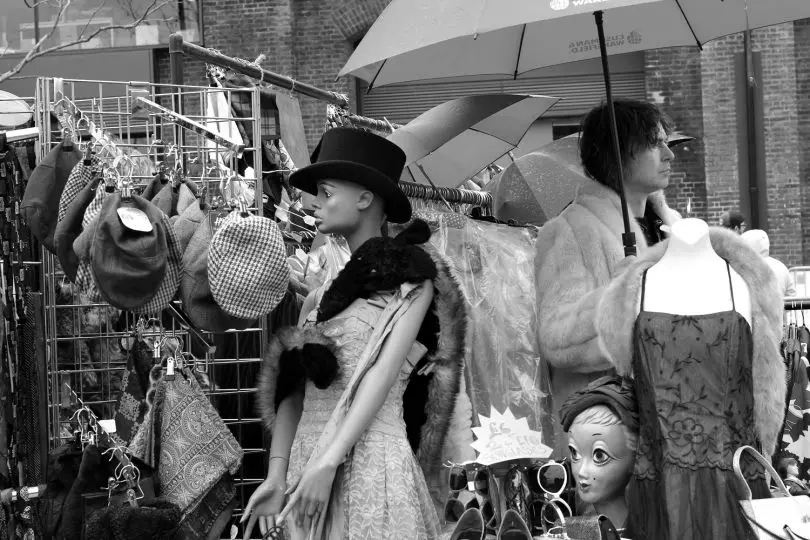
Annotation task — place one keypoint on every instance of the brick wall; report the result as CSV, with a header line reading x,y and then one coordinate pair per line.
x,y
781,141
720,126
320,51
673,80
802,45
248,28
354,17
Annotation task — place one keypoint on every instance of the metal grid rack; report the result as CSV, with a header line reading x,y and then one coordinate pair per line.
x,y
84,340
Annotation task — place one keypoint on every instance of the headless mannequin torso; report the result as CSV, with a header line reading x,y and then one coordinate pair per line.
x,y
691,279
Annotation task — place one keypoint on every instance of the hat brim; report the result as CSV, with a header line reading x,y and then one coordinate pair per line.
x,y
397,205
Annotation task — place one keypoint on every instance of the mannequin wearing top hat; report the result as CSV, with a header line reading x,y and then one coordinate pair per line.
x,y
695,322
357,427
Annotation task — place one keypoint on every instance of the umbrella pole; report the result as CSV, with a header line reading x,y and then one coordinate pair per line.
x,y
628,238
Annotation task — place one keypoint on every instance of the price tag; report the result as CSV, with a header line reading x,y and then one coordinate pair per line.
x,y
135,219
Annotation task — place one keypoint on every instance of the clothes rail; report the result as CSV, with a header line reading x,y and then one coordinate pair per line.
x,y
178,47
452,195
794,304
338,115
185,122
19,135
62,101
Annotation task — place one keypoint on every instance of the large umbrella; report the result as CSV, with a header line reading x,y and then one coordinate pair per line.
x,y
455,140
539,185
438,39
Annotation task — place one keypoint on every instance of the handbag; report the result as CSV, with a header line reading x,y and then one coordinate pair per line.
x,y
590,528
786,517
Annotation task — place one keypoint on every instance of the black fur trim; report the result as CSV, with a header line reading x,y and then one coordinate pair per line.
x,y
380,264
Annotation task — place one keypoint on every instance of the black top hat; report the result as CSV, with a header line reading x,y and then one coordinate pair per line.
x,y
363,158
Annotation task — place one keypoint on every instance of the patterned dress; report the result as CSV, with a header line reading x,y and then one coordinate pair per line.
x,y
385,494
696,407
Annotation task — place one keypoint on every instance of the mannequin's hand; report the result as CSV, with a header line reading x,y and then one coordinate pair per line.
x,y
311,495
265,504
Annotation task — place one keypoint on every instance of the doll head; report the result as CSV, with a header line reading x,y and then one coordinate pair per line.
x,y
601,423
340,206
602,451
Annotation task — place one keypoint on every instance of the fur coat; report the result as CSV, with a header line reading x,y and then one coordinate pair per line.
x,y
618,308
430,400
578,252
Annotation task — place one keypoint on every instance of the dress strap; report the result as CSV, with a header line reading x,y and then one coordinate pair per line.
x,y
643,288
730,286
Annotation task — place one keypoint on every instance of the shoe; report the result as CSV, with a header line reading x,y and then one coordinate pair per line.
x,y
470,526
490,516
453,510
513,527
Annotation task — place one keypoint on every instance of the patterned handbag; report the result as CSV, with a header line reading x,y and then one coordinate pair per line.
x,y
590,528
786,517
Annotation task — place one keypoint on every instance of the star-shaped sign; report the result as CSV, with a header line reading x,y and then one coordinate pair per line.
x,y
502,437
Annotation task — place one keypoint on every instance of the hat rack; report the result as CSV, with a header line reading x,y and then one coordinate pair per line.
x,y
21,135
178,48
88,344
187,123
128,470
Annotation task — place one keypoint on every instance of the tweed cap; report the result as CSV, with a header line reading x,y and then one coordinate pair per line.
x,y
195,290
40,204
69,227
135,271
81,174
247,266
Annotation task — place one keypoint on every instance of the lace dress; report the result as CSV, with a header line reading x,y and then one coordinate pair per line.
x,y
696,407
386,495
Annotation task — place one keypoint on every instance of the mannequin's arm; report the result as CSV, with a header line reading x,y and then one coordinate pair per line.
x,y
288,414
567,297
377,382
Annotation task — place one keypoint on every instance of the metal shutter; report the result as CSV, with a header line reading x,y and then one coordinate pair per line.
x,y
403,102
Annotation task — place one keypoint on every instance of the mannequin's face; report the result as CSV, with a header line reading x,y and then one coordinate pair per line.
x,y
601,461
338,205
649,169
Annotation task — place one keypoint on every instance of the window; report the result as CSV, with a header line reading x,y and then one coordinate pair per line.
x,y
21,25
564,127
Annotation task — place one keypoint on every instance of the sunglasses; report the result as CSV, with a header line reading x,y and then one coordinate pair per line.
x,y
459,479
551,480
548,514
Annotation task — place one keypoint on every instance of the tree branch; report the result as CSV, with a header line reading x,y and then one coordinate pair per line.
x,y
37,51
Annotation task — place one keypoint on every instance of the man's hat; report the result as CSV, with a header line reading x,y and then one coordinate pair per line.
x,y
69,227
247,266
134,270
40,204
363,158
195,289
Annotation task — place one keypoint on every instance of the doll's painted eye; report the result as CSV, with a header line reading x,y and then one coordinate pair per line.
x,y
600,457
574,453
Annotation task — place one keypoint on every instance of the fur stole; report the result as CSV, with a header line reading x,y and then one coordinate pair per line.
x,y
383,264
617,313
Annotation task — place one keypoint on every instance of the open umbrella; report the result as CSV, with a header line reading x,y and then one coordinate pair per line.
x,y
455,140
539,185
438,39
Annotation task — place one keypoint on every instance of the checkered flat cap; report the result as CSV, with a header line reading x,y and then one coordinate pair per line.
x,y
247,266
79,176
94,209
